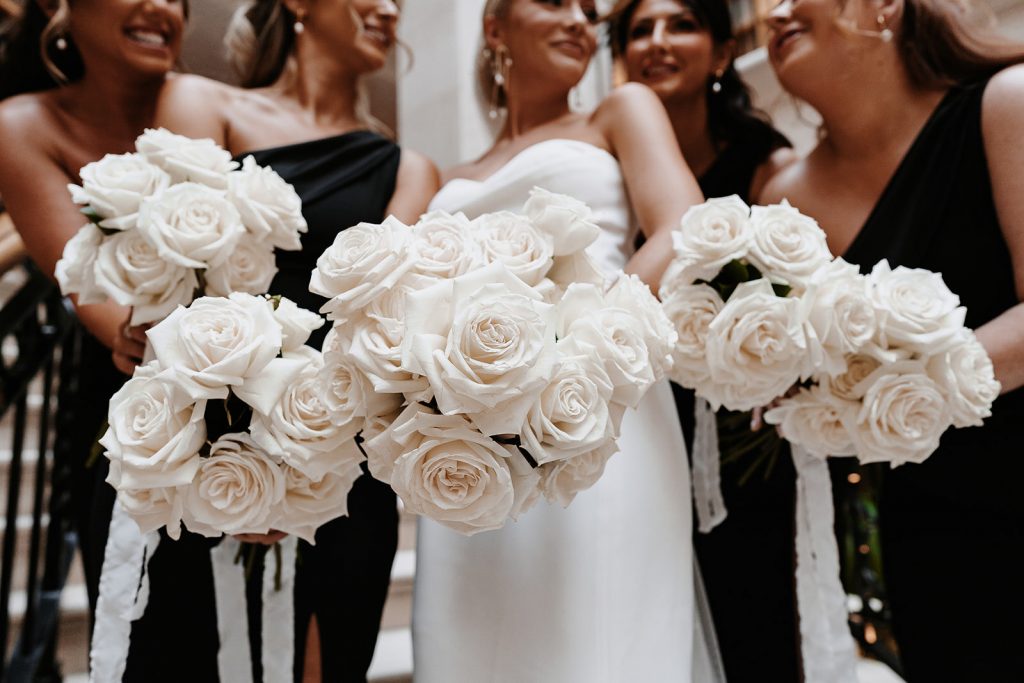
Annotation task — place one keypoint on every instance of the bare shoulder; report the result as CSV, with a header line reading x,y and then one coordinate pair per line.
x,y
24,116
776,162
626,100
1003,102
418,165
192,92
786,180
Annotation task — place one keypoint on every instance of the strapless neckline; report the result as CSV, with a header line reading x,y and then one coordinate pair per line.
x,y
589,146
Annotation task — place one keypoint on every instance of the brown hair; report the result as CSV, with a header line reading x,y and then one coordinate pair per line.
x,y
485,60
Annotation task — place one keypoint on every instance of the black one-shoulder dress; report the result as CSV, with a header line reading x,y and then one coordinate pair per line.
x,y
343,580
953,527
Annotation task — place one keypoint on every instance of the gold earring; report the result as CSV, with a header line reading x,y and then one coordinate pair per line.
x,y
501,65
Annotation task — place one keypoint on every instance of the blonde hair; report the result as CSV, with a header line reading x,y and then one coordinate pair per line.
x,y
485,61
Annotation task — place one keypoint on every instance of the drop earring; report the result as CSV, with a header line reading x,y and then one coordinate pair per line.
x,y
716,85
299,27
501,64
61,43
885,33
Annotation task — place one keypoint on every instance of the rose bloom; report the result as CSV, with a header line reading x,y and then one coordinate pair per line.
x,y
512,240
115,186
185,159
968,380
916,309
568,221
445,245
250,268
632,294
346,391
816,420
562,480
841,312
296,323
786,245
75,271
307,505
191,225
852,384
691,308
710,235
270,207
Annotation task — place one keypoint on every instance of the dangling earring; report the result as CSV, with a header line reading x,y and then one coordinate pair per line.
x,y
501,64
885,33
716,86
61,43
298,27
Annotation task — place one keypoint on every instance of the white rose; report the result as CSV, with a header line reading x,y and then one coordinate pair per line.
x,y
916,310
115,186
571,416
345,390
691,308
514,241
446,470
237,490
270,207
249,268
75,271
186,159
903,415
486,343
151,508
816,420
364,262
852,384
632,294
374,344
296,323
786,244
568,221
757,348
191,225
131,272
216,343
308,504
380,460
562,480
840,312
155,431
579,267
967,378
445,245
711,235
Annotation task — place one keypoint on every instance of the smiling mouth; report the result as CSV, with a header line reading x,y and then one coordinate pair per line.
x,y
148,37
654,72
378,36
570,48
786,38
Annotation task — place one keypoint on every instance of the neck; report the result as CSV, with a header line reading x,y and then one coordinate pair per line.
x,y
323,88
530,108
690,122
116,104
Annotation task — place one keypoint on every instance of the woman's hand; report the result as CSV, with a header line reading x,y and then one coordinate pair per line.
x,y
129,347
262,539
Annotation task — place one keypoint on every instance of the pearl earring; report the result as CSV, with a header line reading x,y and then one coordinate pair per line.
x,y
716,87
886,33
298,27
61,43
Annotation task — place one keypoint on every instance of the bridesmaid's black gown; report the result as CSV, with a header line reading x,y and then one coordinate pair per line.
x,y
747,562
953,527
342,180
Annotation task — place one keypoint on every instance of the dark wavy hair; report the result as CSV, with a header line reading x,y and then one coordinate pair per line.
x,y
732,117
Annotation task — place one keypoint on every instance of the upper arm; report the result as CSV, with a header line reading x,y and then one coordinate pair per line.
x,y
1002,109
416,184
192,106
660,184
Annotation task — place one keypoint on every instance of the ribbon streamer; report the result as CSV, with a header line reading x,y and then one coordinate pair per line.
x,y
124,593
829,653
279,612
234,658
707,482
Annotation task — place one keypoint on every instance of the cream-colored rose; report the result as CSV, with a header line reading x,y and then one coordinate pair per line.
x,y
296,324
511,239
632,294
187,159
191,225
486,343
916,309
786,245
851,385
757,348
308,504
691,308
968,380
346,391
445,245
115,186
903,415
571,416
270,207
562,480
568,221
131,272
237,490
364,262
150,508
75,271
817,421
711,235
155,431
446,470
840,312
250,268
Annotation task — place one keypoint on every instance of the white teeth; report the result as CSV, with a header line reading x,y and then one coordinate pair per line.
x,y
148,37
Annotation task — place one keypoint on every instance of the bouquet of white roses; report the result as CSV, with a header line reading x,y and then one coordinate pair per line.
x,y
899,367
225,431
175,220
485,362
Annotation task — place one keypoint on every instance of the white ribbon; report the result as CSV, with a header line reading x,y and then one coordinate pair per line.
x,y
124,593
279,613
234,659
829,653
707,482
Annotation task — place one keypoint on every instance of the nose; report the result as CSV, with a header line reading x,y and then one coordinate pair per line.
x,y
658,34
577,18
388,8
780,15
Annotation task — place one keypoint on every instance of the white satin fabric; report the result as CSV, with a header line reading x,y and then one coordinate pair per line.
x,y
600,592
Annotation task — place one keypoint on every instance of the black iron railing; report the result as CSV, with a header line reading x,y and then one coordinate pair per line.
x,y
34,325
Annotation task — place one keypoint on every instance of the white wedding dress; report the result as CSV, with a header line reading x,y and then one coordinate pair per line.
x,y
601,591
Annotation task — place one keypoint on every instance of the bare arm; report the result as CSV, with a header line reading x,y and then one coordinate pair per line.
x,y
1002,108
192,106
660,184
417,183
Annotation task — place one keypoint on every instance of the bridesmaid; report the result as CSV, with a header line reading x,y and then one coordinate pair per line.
x,y
77,84
683,50
302,113
921,163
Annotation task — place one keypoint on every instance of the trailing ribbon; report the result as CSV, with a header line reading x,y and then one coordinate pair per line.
x,y
829,653
234,658
279,612
124,593
707,481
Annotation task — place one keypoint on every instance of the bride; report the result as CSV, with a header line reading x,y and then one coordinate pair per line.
x,y
601,591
